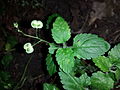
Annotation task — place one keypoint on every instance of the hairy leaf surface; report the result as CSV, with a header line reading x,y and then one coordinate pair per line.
x,y
84,80
117,74
88,46
61,31
114,55
65,58
101,81
103,63
115,52
73,83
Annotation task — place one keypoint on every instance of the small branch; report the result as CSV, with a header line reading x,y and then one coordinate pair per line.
x,y
34,37
36,43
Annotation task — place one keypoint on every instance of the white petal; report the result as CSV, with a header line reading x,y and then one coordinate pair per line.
x,y
27,45
29,50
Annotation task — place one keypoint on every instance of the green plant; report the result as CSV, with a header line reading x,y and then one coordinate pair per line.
x,y
72,60
6,82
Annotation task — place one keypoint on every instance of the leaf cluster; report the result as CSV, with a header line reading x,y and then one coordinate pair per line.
x,y
73,59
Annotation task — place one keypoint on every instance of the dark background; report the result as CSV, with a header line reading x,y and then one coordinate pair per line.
x,y
101,17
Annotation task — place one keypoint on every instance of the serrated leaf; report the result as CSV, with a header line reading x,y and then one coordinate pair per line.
x,y
103,63
73,83
115,61
112,75
115,52
52,48
65,59
61,31
49,87
101,81
51,67
114,55
117,74
84,80
89,46
50,19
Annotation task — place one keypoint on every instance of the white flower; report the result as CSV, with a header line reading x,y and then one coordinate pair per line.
x,y
27,45
28,48
15,25
36,24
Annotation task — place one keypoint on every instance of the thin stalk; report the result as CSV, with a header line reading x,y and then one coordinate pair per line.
x,y
22,83
36,32
34,37
23,75
36,43
64,45
29,35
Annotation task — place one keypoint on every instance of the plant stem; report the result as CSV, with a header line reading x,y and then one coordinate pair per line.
x,y
36,32
34,37
64,45
23,79
36,43
29,35
22,83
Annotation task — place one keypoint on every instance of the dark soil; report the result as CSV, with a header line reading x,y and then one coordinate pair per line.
x,y
101,17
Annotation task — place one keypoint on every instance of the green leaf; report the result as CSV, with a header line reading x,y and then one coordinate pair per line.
x,y
117,74
49,87
84,80
52,48
51,67
6,59
118,65
103,63
115,52
73,83
50,19
61,31
112,75
65,58
101,81
114,55
115,61
89,46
